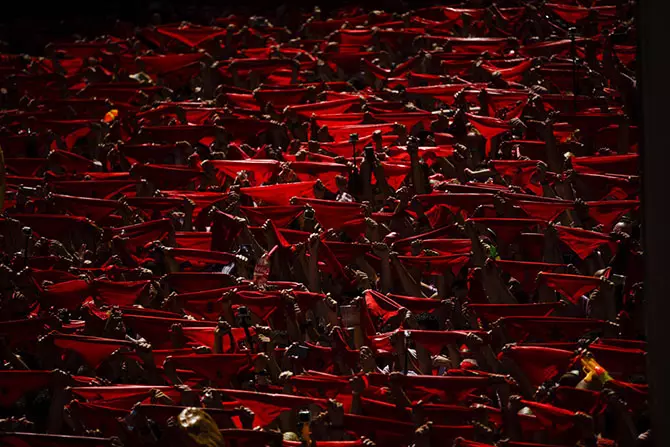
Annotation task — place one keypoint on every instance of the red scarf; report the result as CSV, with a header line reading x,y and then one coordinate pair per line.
x,y
492,312
280,193
582,242
540,364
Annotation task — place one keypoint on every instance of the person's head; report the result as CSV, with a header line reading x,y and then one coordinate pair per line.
x,y
199,429
624,226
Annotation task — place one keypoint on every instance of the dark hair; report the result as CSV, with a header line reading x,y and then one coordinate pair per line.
x,y
428,322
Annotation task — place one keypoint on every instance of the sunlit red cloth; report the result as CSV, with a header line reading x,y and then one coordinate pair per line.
x,y
121,396
94,350
332,214
280,194
259,171
540,364
326,172
570,286
67,295
488,127
582,242
141,234
519,173
334,106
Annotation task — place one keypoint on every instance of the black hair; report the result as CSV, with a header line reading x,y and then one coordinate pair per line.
x,y
428,322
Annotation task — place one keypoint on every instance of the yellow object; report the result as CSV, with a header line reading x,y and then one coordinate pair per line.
x,y
200,427
592,369
111,115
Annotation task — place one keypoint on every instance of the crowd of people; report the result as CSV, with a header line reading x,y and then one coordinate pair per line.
x,y
354,228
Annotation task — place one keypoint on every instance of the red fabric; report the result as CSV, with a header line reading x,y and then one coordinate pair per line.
x,y
464,443
225,229
196,240
259,171
99,417
455,202
582,242
120,293
436,265
608,211
68,295
550,328
507,229
435,341
268,406
15,439
526,272
339,119
450,388
570,286
326,172
548,211
191,35
330,107
575,399
166,176
405,244
141,234
387,432
94,209
219,368
94,350
193,281
557,420
380,308
281,98
569,13
620,362
356,443
492,312
280,194
122,396
540,364
445,246
488,127
53,226
609,164
444,93
15,384
332,214
519,173
345,149
280,215
363,130
103,189
606,187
